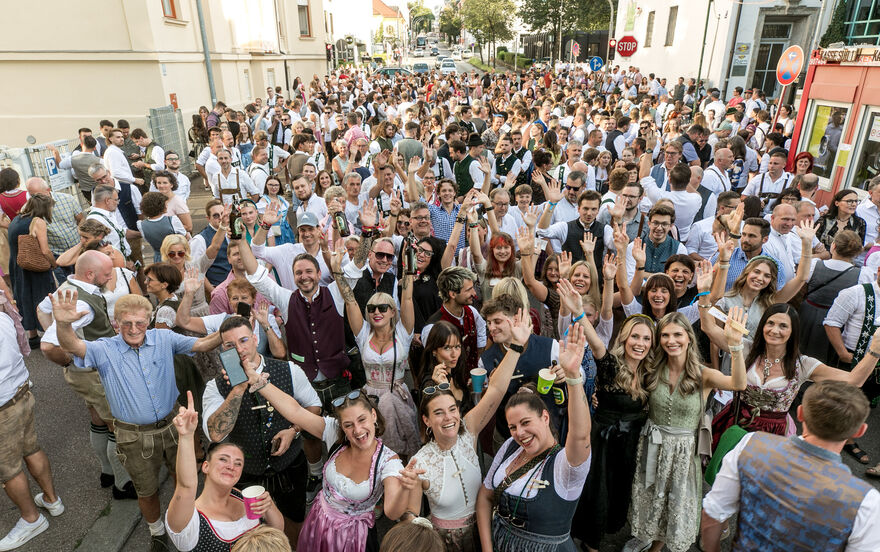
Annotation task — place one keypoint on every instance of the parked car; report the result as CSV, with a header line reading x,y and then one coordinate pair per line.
x,y
420,67
439,61
393,71
447,67
420,52
456,55
435,51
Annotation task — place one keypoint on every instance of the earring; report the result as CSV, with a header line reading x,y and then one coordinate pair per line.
x,y
429,431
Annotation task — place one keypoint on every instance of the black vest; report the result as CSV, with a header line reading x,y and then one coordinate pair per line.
x,y
502,168
576,233
609,143
126,206
705,194
251,432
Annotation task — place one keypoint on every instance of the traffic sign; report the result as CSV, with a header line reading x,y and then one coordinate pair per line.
x,y
51,167
627,46
790,64
596,63
575,49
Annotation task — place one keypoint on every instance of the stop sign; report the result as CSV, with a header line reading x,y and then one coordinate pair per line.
x,y
627,46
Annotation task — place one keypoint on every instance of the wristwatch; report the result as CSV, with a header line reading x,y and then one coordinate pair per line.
x,y
516,348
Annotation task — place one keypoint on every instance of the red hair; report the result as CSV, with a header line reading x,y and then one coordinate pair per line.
x,y
803,155
496,270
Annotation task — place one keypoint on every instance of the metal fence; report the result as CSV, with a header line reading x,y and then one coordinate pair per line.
x,y
167,130
42,164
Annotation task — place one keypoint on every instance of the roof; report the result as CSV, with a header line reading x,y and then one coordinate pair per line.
x,y
383,9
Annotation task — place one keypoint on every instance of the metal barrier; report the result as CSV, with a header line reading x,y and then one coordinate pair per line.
x,y
167,130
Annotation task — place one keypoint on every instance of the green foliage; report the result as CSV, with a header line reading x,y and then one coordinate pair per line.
x,y
475,61
576,15
836,31
488,21
506,57
450,22
501,49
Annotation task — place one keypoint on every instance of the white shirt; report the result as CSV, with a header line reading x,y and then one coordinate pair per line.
x,y
237,179
755,188
113,221
280,297
686,204
313,204
700,239
116,162
477,174
724,500
281,258
565,211
781,247
13,372
183,186
716,180
259,174
847,312
303,392
868,211
157,163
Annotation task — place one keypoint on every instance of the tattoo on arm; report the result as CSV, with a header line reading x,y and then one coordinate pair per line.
x,y
360,256
344,288
221,422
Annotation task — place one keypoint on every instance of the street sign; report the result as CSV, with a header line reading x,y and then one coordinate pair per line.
x,y
575,49
627,46
51,167
789,66
596,63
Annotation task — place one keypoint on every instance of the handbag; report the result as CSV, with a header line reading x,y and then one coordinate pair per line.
x,y
29,256
730,436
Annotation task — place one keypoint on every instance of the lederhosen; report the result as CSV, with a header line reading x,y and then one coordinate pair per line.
x,y
871,386
767,196
234,192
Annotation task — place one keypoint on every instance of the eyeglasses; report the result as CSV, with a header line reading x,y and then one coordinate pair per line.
x,y
383,308
339,401
501,203
180,254
849,201
172,159
423,251
141,325
383,256
435,389
657,224
422,217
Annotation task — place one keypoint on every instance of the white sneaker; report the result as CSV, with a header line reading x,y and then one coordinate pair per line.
x,y
23,532
55,509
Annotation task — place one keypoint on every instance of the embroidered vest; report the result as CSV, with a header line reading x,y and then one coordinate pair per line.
x,y
812,496
315,332
657,254
463,179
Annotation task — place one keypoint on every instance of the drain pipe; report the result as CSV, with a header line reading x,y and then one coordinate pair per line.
x,y
207,52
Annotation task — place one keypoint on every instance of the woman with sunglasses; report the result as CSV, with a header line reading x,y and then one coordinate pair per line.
x,y
384,340
530,494
176,252
360,472
274,193
450,459
841,215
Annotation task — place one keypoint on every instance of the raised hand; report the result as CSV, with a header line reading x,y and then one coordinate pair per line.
x,y
192,282
564,263
485,166
414,164
187,419
525,240
261,313
705,276
64,306
539,179
271,215
807,231
553,191
571,351
609,269
440,374
618,209
369,214
396,204
569,296
734,219
639,252
336,257
588,244
725,244
735,326
531,216
521,327
409,476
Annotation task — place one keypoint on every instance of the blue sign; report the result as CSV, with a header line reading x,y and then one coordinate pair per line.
x,y
596,63
51,167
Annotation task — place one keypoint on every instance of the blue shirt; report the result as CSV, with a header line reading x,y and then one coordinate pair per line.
x,y
442,221
139,383
738,262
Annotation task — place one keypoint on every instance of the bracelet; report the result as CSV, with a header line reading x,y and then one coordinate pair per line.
x,y
735,236
702,293
264,381
461,220
872,353
573,320
737,348
489,208
575,381
394,215
702,306
723,265
265,225
640,267
473,224
340,273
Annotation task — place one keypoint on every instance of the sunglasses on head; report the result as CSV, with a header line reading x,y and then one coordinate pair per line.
x,y
383,256
338,401
435,388
383,308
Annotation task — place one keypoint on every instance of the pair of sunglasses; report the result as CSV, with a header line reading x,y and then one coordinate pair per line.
x,y
383,308
385,256
339,401
435,388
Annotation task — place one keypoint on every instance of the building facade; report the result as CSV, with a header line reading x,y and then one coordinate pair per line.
x,y
70,64
743,40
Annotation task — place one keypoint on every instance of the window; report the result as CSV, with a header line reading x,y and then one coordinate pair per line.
x,y
169,9
270,78
670,26
305,28
868,165
863,25
650,30
822,134
247,82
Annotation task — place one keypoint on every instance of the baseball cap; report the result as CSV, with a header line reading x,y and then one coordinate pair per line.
x,y
307,219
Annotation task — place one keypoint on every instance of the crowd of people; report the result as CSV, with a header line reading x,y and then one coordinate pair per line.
x,y
510,312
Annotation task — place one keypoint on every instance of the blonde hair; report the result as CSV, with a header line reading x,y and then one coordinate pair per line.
x,y
382,298
515,288
692,379
626,379
333,192
170,241
131,303
593,292
262,539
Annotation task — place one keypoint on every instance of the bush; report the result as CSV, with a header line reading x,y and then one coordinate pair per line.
x,y
500,49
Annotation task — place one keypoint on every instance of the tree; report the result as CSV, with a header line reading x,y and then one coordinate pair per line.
x,y
420,16
580,15
450,23
836,31
488,21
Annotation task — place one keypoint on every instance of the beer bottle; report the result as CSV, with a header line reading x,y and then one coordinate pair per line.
x,y
234,220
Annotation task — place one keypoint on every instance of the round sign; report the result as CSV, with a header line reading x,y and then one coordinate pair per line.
x,y
627,46
596,63
790,64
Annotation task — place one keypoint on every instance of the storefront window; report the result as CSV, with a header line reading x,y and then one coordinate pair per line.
x,y
824,135
868,164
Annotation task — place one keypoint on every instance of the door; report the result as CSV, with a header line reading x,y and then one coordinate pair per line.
x,y
774,41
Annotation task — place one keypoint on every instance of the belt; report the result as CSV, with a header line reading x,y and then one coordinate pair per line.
x,y
148,427
19,394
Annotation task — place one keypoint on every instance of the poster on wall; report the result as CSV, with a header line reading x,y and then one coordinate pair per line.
x,y
629,23
824,137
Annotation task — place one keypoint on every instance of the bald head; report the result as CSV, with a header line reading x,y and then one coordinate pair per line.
x,y
783,218
36,185
696,178
93,267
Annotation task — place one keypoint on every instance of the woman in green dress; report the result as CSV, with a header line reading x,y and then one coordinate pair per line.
x,y
665,507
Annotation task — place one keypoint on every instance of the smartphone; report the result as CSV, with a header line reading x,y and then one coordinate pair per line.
x,y
243,309
276,444
232,365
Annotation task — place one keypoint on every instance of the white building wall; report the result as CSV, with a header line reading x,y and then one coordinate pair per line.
x,y
730,24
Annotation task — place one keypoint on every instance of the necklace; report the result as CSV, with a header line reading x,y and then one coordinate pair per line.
x,y
768,365
458,473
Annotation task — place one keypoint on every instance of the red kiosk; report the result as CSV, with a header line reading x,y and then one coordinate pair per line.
x,y
838,119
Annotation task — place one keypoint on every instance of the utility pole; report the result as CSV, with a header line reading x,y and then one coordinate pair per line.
x,y
559,34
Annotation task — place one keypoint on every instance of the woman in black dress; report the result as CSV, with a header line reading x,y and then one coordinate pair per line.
x,y
29,288
426,296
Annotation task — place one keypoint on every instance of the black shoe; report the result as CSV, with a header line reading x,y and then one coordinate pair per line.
x,y
34,343
127,492
159,543
107,480
313,485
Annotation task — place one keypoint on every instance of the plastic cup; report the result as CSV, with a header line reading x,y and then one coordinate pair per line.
x,y
478,378
250,495
546,377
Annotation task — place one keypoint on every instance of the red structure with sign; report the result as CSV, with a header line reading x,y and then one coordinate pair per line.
x,y
627,46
